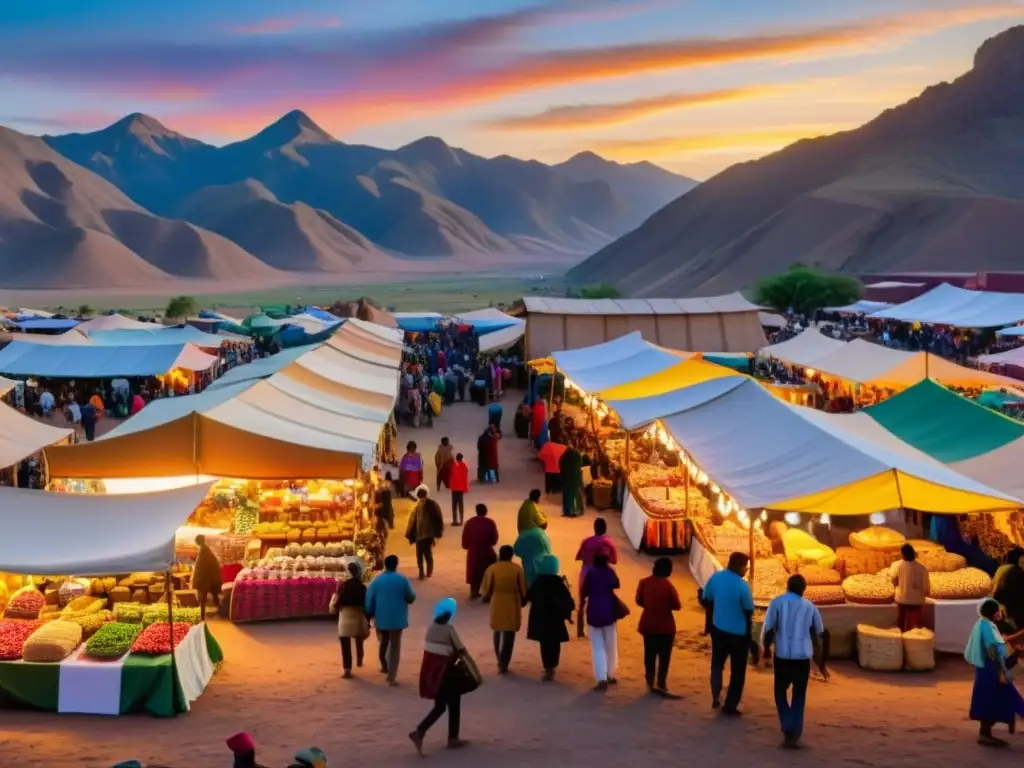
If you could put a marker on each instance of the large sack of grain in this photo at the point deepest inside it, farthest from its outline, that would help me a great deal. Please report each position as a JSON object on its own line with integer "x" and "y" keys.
{"x": 919, "y": 650}
{"x": 965, "y": 584}
{"x": 880, "y": 650}
{"x": 870, "y": 589}
{"x": 54, "y": 641}
{"x": 877, "y": 538}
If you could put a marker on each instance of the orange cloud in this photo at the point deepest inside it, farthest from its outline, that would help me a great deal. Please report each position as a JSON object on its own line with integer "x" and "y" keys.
{"x": 565, "y": 67}
{"x": 572, "y": 117}
{"x": 672, "y": 146}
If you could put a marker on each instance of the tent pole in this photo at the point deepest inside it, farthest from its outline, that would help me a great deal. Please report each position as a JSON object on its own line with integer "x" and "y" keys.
{"x": 926, "y": 372}
{"x": 899, "y": 492}
{"x": 169, "y": 592}
{"x": 551, "y": 392}
{"x": 750, "y": 546}
{"x": 628, "y": 462}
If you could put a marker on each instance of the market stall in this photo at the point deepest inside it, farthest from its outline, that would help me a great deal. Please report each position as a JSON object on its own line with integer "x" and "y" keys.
{"x": 65, "y": 645}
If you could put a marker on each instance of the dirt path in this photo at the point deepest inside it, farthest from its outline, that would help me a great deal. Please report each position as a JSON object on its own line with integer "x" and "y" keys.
{"x": 281, "y": 682}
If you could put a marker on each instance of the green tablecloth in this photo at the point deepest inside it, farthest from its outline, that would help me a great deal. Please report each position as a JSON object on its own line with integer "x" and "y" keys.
{"x": 23, "y": 684}
{"x": 147, "y": 684}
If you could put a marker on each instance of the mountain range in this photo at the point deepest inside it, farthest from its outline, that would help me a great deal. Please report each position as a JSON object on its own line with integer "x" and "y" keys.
{"x": 137, "y": 203}
{"x": 936, "y": 184}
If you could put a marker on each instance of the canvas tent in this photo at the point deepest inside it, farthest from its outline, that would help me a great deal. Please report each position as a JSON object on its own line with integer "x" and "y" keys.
{"x": 804, "y": 348}
{"x": 317, "y": 415}
{"x": 948, "y": 305}
{"x": 6, "y": 385}
{"x": 74, "y": 337}
{"x": 772, "y": 320}
{"x": 866, "y": 363}
{"x": 496, "y": 330}
{"x": 814, "y": 462}
{"x": 21, "y": 436}
{"x": 46, "y": 324}
{"x": 862, "y": 307}
{"x": 727, "y": 323}
{"x": 615, "y": 362}
{"x": 99, "y": 534}
{"x": 157, "y": 336}
{"x": 100, "y": 362}
{"x": 418, "y": 322}
{"x": 1010, "y": 357}
{"x": 970, "y": 438}
{"x": 112, "y": 323}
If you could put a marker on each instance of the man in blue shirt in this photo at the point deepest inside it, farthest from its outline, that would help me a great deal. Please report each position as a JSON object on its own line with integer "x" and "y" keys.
{"x": 732, "y": 607}
{"x": 387, "y": 603}
{"x": 793, "y": 624}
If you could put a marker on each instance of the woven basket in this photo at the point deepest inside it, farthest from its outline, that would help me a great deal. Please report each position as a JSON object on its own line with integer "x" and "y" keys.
{"x": 880, "y": 650}
{"x": 602, "y": 495}
{"x": 919, "y": 650}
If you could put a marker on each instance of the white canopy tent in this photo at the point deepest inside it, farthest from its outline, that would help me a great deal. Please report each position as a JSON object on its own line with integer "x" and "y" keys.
{"x": 804, "y": 348}
{"x": 772, "y": 320}
{"x": 815, "y": 463}
{"x": 496, "y": 340}
{"x": 862, "y": 307}
{"x": 96, "y": 535}
{"x": 1010, "y": 357}
{"x": 948, "y": 305}
{"x": 615, "y": 362}
{"x": 114, "y": 322}
{"x": 1017, "y": 330}
{"x": 6, "y": 385}
{"x": 21, "y": 436}
{"x": 69, "y": 338}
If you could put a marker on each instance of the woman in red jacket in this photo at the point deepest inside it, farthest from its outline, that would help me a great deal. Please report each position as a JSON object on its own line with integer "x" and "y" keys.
{"x": 659, "y": 599}
{"x": 458, "y": 482}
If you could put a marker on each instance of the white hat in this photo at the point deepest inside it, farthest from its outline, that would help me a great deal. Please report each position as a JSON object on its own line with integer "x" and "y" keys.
{"x": 421, "y": 487}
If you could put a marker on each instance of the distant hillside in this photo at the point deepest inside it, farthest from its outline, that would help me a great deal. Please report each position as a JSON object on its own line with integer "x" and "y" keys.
{"x": 423, "y": 199}
{"x": 63, "y": 226}
{"x": 936, "y": 184}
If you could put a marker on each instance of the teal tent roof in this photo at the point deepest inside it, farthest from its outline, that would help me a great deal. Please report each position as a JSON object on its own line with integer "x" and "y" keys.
{"x": 943, "y": 424}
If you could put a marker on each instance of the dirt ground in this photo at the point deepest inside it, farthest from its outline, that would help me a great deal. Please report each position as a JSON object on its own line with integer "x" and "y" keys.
{"x": 282, "y": 683}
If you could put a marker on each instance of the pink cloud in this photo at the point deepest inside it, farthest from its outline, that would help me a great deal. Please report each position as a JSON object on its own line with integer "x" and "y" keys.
{"x": 284, "y": 24}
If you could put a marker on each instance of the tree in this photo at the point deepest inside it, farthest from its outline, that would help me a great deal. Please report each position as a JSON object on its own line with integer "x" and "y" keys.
{"x": 805, "y": 290}
{"x": 85, "y": 310}
{"x": 181, "y": 307}
{"x": 600, "y": 291}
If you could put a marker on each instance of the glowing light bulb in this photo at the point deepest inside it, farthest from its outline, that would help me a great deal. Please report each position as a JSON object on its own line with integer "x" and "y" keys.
{"x": 825, "y": 520}
{"x": 792, "y": 518}
{"x": 764, "y": 516}
{"x": 877, "y": 518}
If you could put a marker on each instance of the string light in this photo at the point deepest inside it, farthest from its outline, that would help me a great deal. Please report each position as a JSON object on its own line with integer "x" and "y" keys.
{"x": 792, "y": 518}
{"x": 877, "y": 518}
{"x": 825, "y": 520}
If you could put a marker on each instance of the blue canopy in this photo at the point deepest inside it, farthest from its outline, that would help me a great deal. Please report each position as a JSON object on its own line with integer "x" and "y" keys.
{"x": 321, "y": 314}
{"x": 418, "y": 323}
{"x": 47, "y": 324}
{"x": 156, "y": 337}
{"x": 21, "y": 358}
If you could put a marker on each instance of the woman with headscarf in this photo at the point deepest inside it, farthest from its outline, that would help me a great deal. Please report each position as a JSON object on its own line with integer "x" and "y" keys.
{"x": 994, "y": 698}
{"x": 349, "y": 602}
{"x": 551, "y": 606}
{"x": 532, "y": 546}
{"x": 410, "y": 470}
{"x": 603, "y": 610}
{"x": 592, "y": 546}
{"x": 438, "y": 679}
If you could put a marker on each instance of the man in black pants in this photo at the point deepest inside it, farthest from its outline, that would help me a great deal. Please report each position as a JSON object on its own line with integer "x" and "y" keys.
{"x": 426, "y": 525}
{"x": 730, "y": 631}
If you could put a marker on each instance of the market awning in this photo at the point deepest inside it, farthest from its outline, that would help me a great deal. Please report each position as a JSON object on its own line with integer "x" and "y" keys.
{"x": 804, "y": 348}
{"x": 943, "y": 424}
{"x": 808, "y": 461}
{"x": 74, "y": 337}
{"x": 862, "y": 307}
{"x": 681, "y": 375}
{"x": 21, "y": 436}
{"x": 100, "y": 362}
{"x": 496, "y": 329}
{"x": 92, "y": 534}
{"x": 867, "y": 363}
{"x": 1010, "y": 357}
{"x": 772, "y": 320}
{"x": 948, "y": 305}
{"x": 6, "y": 385}
{"x": 156, "y": 337}
{"x": 46, "y": 324}
{"x": 418, "y": 322}
{"x": 619, "y": 361}
{"x": 114, "y": 322}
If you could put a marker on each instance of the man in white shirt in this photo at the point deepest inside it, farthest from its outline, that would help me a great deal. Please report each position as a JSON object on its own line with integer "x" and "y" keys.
{"x": 793, "y": 624}
{"x": 47, "y": 402}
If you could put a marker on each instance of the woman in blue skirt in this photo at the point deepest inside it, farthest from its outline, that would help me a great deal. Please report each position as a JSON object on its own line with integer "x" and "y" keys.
{"x": 995, "y": 698}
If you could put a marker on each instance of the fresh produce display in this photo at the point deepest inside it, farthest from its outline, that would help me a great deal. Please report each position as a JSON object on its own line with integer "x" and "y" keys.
{"x": 940, "y": 561}
{"x": 89, "y": 622}
{"x": 85, "y": 604}
{"x": 965, "y": 584}
{"x": 261, "y": 595}
{"x": 825, "y": 594}
{"x": 878, "y": 539}
{"x": 72, "y": 589}
{"x": 770, "y": 576}
{"x": 128, "y": 612}
{"x": 112, "y": 640}
{"x": 27, "y": 603}
{"x": 13, "y": 634}
{"x": 155, "y": 639}
{"x": 992, "y": 541}
{"x": 816, "y": 576}
{"x": 671, "y": 502}
{"x": 871, "y": 589}
{"x": 803, "y": 549}
{"x": 154, "y": 613}
{"x": 53, "y": 641}
{"x": 729, "y": 537}
{"x": 645, "y": 475}
{"x": 853, "y": 562}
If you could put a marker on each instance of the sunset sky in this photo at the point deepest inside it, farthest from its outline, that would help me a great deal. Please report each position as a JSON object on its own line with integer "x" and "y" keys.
{"x": 693, "y": 85}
